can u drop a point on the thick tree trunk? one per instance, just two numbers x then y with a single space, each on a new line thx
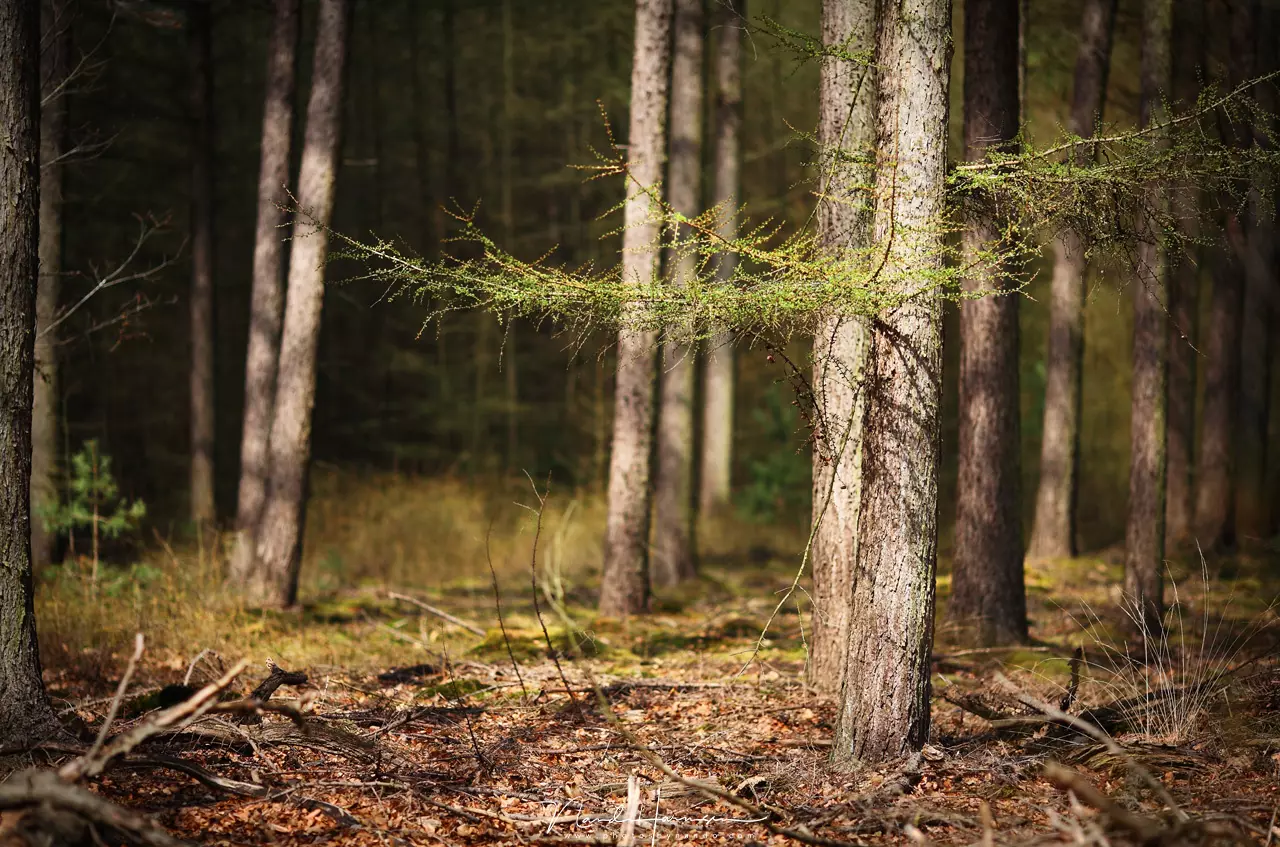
203 509
1053 529
274 581
988 600
1184 300
884 710
1216 464
716 476
25 714
267 298
55 29
673 545
1144 533
846 136
624 587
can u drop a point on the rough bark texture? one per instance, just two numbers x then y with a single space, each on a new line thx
624 587
1216 464
1184 301
846 128
25 714
274 581
1253 516
55 36
673 546
716 477
1053 529
1144 530
203 509
884 710
988 601
267 297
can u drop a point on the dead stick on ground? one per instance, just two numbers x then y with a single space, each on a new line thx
1088 793
138 643
439 613
497 603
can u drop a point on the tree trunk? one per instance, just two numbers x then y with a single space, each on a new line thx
509 348
274 581
1184 301
716 477
1253 514
1144 533
1053 529
55 29
25 714
1216 464
884 710
624 587
988 600
267 297
673 559
846 138
203 509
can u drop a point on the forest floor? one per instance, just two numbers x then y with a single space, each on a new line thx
685 726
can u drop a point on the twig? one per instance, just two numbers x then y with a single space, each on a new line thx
627 838
1075 782
533 570
138 644
497 603
439 613
57 799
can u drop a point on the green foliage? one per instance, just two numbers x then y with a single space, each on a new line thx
93 499
779 480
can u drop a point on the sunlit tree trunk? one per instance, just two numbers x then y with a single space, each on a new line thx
673 550
1144 532
274 582
624 587
716 474
25 714
1216 463
1184 299
988 600
266 301
846 136
1053 529
203 509
884 709
55 30
1253 513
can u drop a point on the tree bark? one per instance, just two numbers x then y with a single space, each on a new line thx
25 714
846 139
1144 532
267 297
54 64
1053 529
624 587
988 599
884 710
1253 513
203 509
716 477
673 560
1216 464
274 581
1184 301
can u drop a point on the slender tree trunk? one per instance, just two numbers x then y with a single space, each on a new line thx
884 709
266 302
624 587
55 29
25 714
988 600
509 346
203 509
1144 533
1184 299
716 477
846 138
1053 530
1216 464
673 490
274 581
1253 513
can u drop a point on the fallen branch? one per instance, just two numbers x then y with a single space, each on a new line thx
439 613
57 808
1086 792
